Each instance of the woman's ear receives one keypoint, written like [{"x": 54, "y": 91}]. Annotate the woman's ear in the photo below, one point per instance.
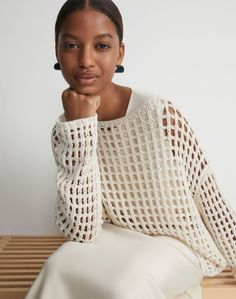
[
  {"x": 56, "y": 52},
  {"x": 121, "y": 53}
]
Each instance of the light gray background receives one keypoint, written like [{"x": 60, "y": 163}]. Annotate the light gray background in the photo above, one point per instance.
[{"x": 182, "y": 50}]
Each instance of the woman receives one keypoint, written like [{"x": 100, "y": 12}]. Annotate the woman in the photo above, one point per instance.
[{"x": 137, "y": 198}]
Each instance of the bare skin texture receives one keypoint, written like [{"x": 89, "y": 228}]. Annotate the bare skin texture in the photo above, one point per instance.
[{"x": 88, "y": 46}]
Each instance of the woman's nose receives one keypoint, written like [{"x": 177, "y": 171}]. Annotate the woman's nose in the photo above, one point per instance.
[{"x": 86, "y": 58}]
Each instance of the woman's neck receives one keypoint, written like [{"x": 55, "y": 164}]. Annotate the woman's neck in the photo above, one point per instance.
[{"x": 114, "y": 102}]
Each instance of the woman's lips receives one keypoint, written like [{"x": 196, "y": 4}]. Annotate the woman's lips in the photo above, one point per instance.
[{"x": 86, "y": 78}]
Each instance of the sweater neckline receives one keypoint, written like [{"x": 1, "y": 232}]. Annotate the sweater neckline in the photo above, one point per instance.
[{"x": 129, "y": 114}]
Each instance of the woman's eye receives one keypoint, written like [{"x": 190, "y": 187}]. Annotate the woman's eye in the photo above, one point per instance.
[
  {"x": 103, "y": 46},
  {"x": 70, "y": 46}
]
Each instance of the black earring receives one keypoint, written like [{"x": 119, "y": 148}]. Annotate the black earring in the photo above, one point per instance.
[
  {"x": 57, "y": 66},
  {"x": 119, "y": 68}
]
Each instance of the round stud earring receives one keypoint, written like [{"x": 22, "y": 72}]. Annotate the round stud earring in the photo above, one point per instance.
[{"x": 57, "y": 66}]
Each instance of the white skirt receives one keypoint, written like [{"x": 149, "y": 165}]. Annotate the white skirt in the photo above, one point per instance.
[{"x": 121, "y": 264}]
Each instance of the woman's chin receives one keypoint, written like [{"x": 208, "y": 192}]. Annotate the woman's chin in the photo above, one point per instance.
[
  {"x": 92, "y": 89},
  {"x": 89, "y": 90}
]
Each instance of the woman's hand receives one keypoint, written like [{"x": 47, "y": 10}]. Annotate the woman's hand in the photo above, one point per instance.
[{"x": 77, "y": 105}]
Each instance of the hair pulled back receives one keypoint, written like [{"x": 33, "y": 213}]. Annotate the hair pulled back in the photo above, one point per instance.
[{"x": 107, "y": 7}]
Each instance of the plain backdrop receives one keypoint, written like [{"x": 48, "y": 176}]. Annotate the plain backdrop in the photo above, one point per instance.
[{"x": 182, "y": 50}]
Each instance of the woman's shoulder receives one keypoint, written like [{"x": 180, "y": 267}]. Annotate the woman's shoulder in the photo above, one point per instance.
[
  {"x": 153, "y": 99},
  {"x": 165, "y": 107}
]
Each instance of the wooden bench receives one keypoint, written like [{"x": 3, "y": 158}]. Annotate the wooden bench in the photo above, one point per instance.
[{"x": 21, "y": 258}]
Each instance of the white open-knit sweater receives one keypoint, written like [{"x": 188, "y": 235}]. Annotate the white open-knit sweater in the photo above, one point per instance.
[{"x": 145, "y": 172}]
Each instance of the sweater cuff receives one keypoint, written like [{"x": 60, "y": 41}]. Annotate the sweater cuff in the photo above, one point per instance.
[{"x": 86, "y": 120}]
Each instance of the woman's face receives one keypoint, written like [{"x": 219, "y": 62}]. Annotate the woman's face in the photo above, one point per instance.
[{"x": 88, "y": 50}]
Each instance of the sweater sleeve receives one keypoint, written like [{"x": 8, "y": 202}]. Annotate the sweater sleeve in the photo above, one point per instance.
[
  {"x": 216, "y": 212},
  {"x": 218, "y": 216},
  {"x": 78, "y": 207}
]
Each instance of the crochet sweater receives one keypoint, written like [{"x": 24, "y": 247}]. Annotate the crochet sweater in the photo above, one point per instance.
[{"x": 146, "y": 172}]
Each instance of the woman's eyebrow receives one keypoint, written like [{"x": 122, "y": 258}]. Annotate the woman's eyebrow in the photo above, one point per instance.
[
  {"x": 97, "y": 36},
  {"x": 104, "y": 35},
  {"x": 69, "y": 35}
]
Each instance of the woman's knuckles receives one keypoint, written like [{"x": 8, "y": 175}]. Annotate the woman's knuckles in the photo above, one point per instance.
[{"x": 79, "y": 105}]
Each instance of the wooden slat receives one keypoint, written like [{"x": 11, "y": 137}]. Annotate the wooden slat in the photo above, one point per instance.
[
  {"x": 18, "y": 271},
  {"x": 22, "y": 257},
  {"x": 17, "y": 293},
  {"x": 22, "y": 266},
  {"x": 26, "y": 253},
  {"x": 218, "y": 293},
  {"x": 222, "y": 286},
  {"x": 13, "y": 284},
  {"x": 220, "y": 282},
  {"x": 16, "y": 277},
  {"x": 22, "y": 246},
  {"x": 22, "y": 260}
]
